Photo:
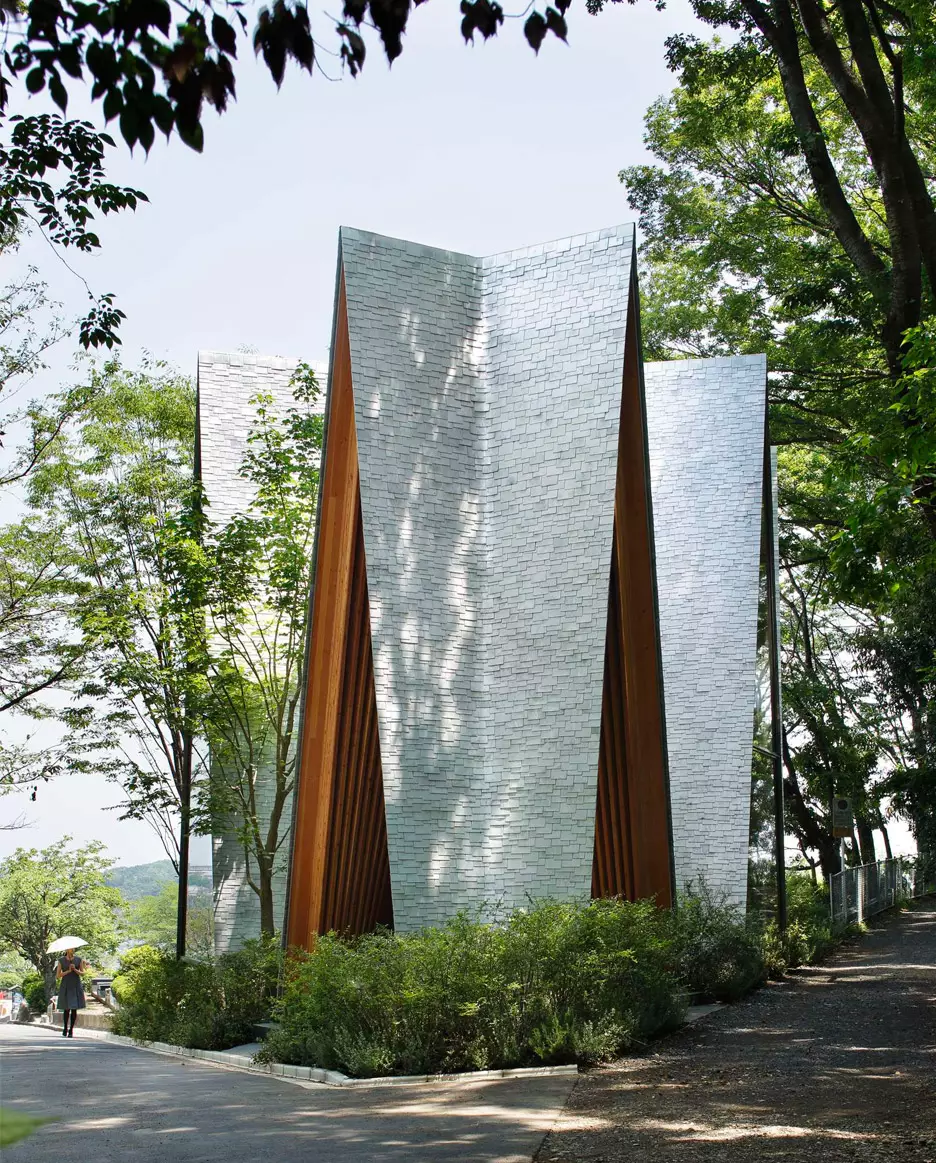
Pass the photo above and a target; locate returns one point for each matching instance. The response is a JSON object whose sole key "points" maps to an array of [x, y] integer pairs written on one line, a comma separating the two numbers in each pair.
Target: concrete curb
{"points": [[301, 1074], [229, 1060], [697, 1013]]}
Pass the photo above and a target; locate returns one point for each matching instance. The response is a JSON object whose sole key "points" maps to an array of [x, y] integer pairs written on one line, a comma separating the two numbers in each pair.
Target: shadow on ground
{"points": [[114, 1103], [836, 1064]]}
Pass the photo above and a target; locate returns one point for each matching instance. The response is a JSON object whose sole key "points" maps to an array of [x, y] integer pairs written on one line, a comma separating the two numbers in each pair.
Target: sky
{"points": [[475, 149]]}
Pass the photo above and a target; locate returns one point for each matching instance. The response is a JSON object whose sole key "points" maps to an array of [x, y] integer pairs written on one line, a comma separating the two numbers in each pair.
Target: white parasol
{"points": [[64, 943]]}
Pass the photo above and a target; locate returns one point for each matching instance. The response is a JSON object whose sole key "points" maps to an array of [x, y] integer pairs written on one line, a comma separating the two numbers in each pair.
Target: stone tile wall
{"points": [[705, 421], [487, 396], [227, 382]]}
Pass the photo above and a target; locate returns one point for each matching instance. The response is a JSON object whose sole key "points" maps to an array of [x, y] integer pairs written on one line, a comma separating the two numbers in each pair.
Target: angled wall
{"points": [[706, 431], [492, 411], [227, 382]]}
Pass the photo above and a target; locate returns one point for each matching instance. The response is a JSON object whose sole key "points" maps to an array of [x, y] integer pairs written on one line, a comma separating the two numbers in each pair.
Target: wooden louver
{"points": [[632, 833], [340, 876]]}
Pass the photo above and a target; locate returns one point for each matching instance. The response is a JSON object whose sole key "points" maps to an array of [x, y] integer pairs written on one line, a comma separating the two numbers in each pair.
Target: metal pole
{"points": [[773, 645]]}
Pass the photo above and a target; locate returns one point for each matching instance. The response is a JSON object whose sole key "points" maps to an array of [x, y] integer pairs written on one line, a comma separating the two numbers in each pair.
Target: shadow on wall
{"points": [[421, 468]]}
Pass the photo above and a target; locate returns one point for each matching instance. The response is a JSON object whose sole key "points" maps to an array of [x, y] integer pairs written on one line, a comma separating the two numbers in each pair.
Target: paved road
{"points": [[837, 1065], [121, 1105]]}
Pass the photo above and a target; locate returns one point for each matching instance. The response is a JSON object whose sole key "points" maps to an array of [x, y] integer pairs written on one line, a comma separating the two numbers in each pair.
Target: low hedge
{"points": [[554, 983], [34, 992], [208, 1004]]}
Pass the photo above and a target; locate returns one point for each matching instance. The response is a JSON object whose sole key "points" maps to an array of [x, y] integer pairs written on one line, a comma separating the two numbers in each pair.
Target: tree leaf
{"points": [[129, 125], [146, 134], [223, 35], [57, 91], [192, 134], [556, 23], [113, 103], [535, 30]]}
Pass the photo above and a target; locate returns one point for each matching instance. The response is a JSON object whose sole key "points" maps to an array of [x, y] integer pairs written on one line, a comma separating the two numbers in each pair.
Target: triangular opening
{"points": [[340, 873], [633, 850]]}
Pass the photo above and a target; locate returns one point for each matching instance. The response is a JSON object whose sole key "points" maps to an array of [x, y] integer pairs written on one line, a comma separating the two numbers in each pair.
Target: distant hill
{"points": [[139, 880]]}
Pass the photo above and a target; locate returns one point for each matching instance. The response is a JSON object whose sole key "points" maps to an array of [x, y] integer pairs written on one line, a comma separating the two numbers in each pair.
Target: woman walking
{"points": [[71, 996]]}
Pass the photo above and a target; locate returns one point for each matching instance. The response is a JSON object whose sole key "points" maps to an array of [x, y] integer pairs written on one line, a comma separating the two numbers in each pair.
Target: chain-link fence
{"points": [[861, 892]]}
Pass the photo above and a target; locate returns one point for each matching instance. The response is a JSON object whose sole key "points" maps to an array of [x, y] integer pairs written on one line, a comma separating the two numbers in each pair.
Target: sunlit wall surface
{"points": [[705, 422]]}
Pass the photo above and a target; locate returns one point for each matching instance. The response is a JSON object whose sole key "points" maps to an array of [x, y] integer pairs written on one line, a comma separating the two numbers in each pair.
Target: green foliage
{"points": [[809, 936], [152, 919], [34, 991], [15, 1126], [45, 894], [138, 961], [140, 880], [209, 1004], [52, 174], [116, 493], [155, 71], [555, 983], [743, 252], [718, 949], [257, 571]]}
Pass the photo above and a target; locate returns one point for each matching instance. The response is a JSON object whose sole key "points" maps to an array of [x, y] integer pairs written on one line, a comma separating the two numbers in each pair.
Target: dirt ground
{"points": [[836, 1064]]}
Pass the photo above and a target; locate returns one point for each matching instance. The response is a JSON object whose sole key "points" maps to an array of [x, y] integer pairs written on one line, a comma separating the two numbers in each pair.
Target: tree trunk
{"points": [[267, 917], [805, 823], [882, 828], [866, 841], [48, 977], [185, 828]]}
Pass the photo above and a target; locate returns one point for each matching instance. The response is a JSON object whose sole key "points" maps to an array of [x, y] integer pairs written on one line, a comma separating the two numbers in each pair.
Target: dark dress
{"points": [[71, 991]]}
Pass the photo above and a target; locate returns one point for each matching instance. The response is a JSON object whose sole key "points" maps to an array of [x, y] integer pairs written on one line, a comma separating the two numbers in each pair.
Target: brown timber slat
{"points": [[340, 860], [632, 838], [345, 857], [337, 879]]}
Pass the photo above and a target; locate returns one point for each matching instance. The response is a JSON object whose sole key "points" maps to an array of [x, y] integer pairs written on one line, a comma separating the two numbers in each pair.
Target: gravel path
{"points": [[834, 1065]]}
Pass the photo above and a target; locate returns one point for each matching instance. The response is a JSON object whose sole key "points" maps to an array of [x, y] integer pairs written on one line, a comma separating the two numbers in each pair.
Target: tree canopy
{"points": [[47, 893], [772, 222], [259, 577]]}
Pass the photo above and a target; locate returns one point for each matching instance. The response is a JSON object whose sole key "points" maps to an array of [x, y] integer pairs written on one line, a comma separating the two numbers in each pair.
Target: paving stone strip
{"points": [[835, 1065]]}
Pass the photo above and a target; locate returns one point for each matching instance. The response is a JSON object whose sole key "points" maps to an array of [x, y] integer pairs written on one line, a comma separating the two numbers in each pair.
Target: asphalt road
{"points": [[114, 1104]]}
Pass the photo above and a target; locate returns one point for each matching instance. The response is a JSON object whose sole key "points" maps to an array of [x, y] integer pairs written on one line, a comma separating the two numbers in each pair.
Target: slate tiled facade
{"points": [[487, 402], [227, 382], [705, 422]]}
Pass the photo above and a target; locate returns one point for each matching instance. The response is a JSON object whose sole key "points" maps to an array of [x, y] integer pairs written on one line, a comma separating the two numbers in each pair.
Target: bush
{"points": [[555, 983], [209, 1004], [719, 950], [809, 935], [551, 984], [140, 957], [34, 991]]}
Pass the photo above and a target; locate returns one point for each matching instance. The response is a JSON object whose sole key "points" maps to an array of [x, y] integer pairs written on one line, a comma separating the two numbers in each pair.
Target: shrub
{"points": [[210, 1004], [34, 991], [719, 950], [555, 983], [138, 958]]}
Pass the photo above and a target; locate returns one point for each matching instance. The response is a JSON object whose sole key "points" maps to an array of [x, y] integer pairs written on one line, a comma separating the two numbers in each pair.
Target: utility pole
{"points": [[773, 646]]}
